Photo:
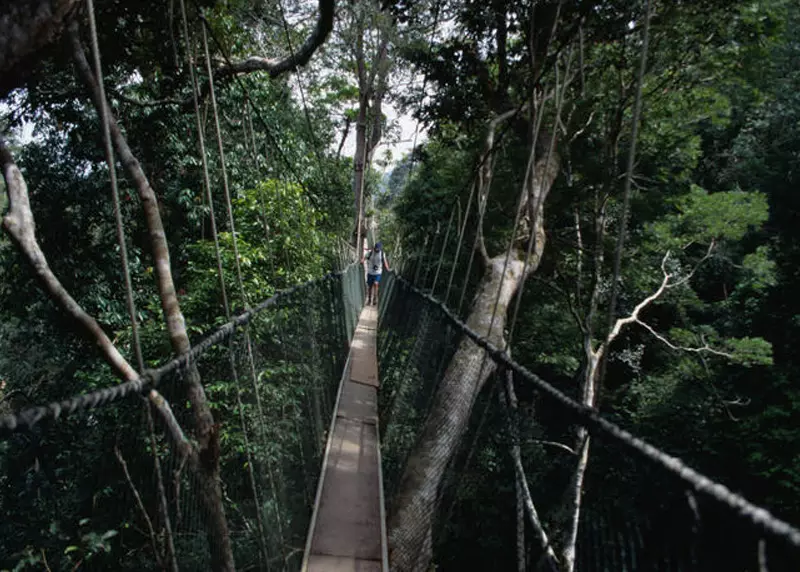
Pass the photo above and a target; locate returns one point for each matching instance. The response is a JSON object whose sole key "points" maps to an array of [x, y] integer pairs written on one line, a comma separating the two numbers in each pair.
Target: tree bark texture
{"points": [[26, 27], [371, 88], [205, 430], [411, 522]]}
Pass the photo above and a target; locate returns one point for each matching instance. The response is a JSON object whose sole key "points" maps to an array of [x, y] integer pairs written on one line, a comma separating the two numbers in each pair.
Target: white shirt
{"points": [[375, 263]]}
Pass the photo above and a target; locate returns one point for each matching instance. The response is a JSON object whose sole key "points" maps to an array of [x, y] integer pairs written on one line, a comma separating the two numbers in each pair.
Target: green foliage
{"points": [[704, 218]]}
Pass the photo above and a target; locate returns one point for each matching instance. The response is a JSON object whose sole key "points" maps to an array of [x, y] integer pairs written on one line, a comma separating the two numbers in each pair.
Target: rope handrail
{"points": [[149, 379], [596, 424]]}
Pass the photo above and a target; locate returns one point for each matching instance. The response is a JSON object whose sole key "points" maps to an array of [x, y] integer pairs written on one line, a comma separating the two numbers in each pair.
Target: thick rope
{"points": [[597, 425], [112, 173], [150, 379], [129, 297]]}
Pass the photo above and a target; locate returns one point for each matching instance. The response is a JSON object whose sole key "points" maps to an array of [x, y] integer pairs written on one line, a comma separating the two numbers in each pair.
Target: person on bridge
{"points": [[376, 262]]}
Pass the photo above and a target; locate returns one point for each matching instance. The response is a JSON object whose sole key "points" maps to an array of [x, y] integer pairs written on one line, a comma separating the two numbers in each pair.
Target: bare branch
{"points": [[581, 131], [179, 440], [696, 266], [634, 316], [485, 174], [556, 444], [704, 348], [297, 59], [663, 287], [21, 227], [142, 102], [151, 531], [508, 399]]}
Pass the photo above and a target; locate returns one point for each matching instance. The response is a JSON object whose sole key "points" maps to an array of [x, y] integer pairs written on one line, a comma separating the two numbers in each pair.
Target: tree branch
{"points": [[634, 316], [150, 529], [508, 399], [21, 227], [297, 59], [689, 276], [176, 435], [556, 444], [664, 286], [485, 174], [669, 344]]}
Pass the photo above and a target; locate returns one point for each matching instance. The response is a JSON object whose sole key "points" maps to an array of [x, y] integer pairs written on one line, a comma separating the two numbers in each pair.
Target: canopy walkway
{"points": [[307, 451], [301, 449]]}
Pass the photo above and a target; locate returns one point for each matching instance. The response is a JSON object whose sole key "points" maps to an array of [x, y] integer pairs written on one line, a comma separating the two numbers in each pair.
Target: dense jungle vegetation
{"points": [[689, 340]]}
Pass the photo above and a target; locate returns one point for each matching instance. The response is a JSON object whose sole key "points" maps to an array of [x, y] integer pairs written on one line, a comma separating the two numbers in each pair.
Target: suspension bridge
{"points": [[312, 405], [304, 484]]}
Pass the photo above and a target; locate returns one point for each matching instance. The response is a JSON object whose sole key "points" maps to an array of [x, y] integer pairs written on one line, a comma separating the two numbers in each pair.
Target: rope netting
{"points": [[99, 464], [641, 508]]}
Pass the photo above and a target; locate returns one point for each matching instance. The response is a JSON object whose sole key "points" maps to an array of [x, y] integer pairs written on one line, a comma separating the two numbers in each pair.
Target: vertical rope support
{"points": [[250, 354], [482, 200], [203, 158], [112, 173], [460, 241], [626, 198], [259, 520], [129, 298], [421, 260], [444, 247], [223, 168]]}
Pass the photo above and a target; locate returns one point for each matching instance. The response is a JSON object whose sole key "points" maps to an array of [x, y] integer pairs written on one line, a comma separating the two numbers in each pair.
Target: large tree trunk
{"points": [[371, 87], [206, 432], [411, 522], [412, 519], [359, 166]]}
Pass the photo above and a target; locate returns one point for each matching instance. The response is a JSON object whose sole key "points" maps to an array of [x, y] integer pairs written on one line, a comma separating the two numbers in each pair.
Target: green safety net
{"points": [[83, 491], [636, 516]]}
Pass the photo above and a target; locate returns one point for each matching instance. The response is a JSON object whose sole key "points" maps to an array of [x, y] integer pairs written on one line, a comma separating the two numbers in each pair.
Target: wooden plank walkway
{"points": [[348, 528]]}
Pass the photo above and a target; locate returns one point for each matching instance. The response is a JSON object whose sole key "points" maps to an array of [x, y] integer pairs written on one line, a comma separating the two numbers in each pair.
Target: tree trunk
{"points": [[567, 519], [206, 432], [359, 166], [411, 524]]}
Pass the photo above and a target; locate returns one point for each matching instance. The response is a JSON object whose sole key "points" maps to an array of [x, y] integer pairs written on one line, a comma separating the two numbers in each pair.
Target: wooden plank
{"points": [[322, 563], [369, 318], [348, 530], [365, 359], [348, 522], [359, 402]]}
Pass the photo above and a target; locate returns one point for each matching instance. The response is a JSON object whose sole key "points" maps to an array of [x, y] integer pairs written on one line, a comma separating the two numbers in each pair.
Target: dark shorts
{"points": [[373, 279]]}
